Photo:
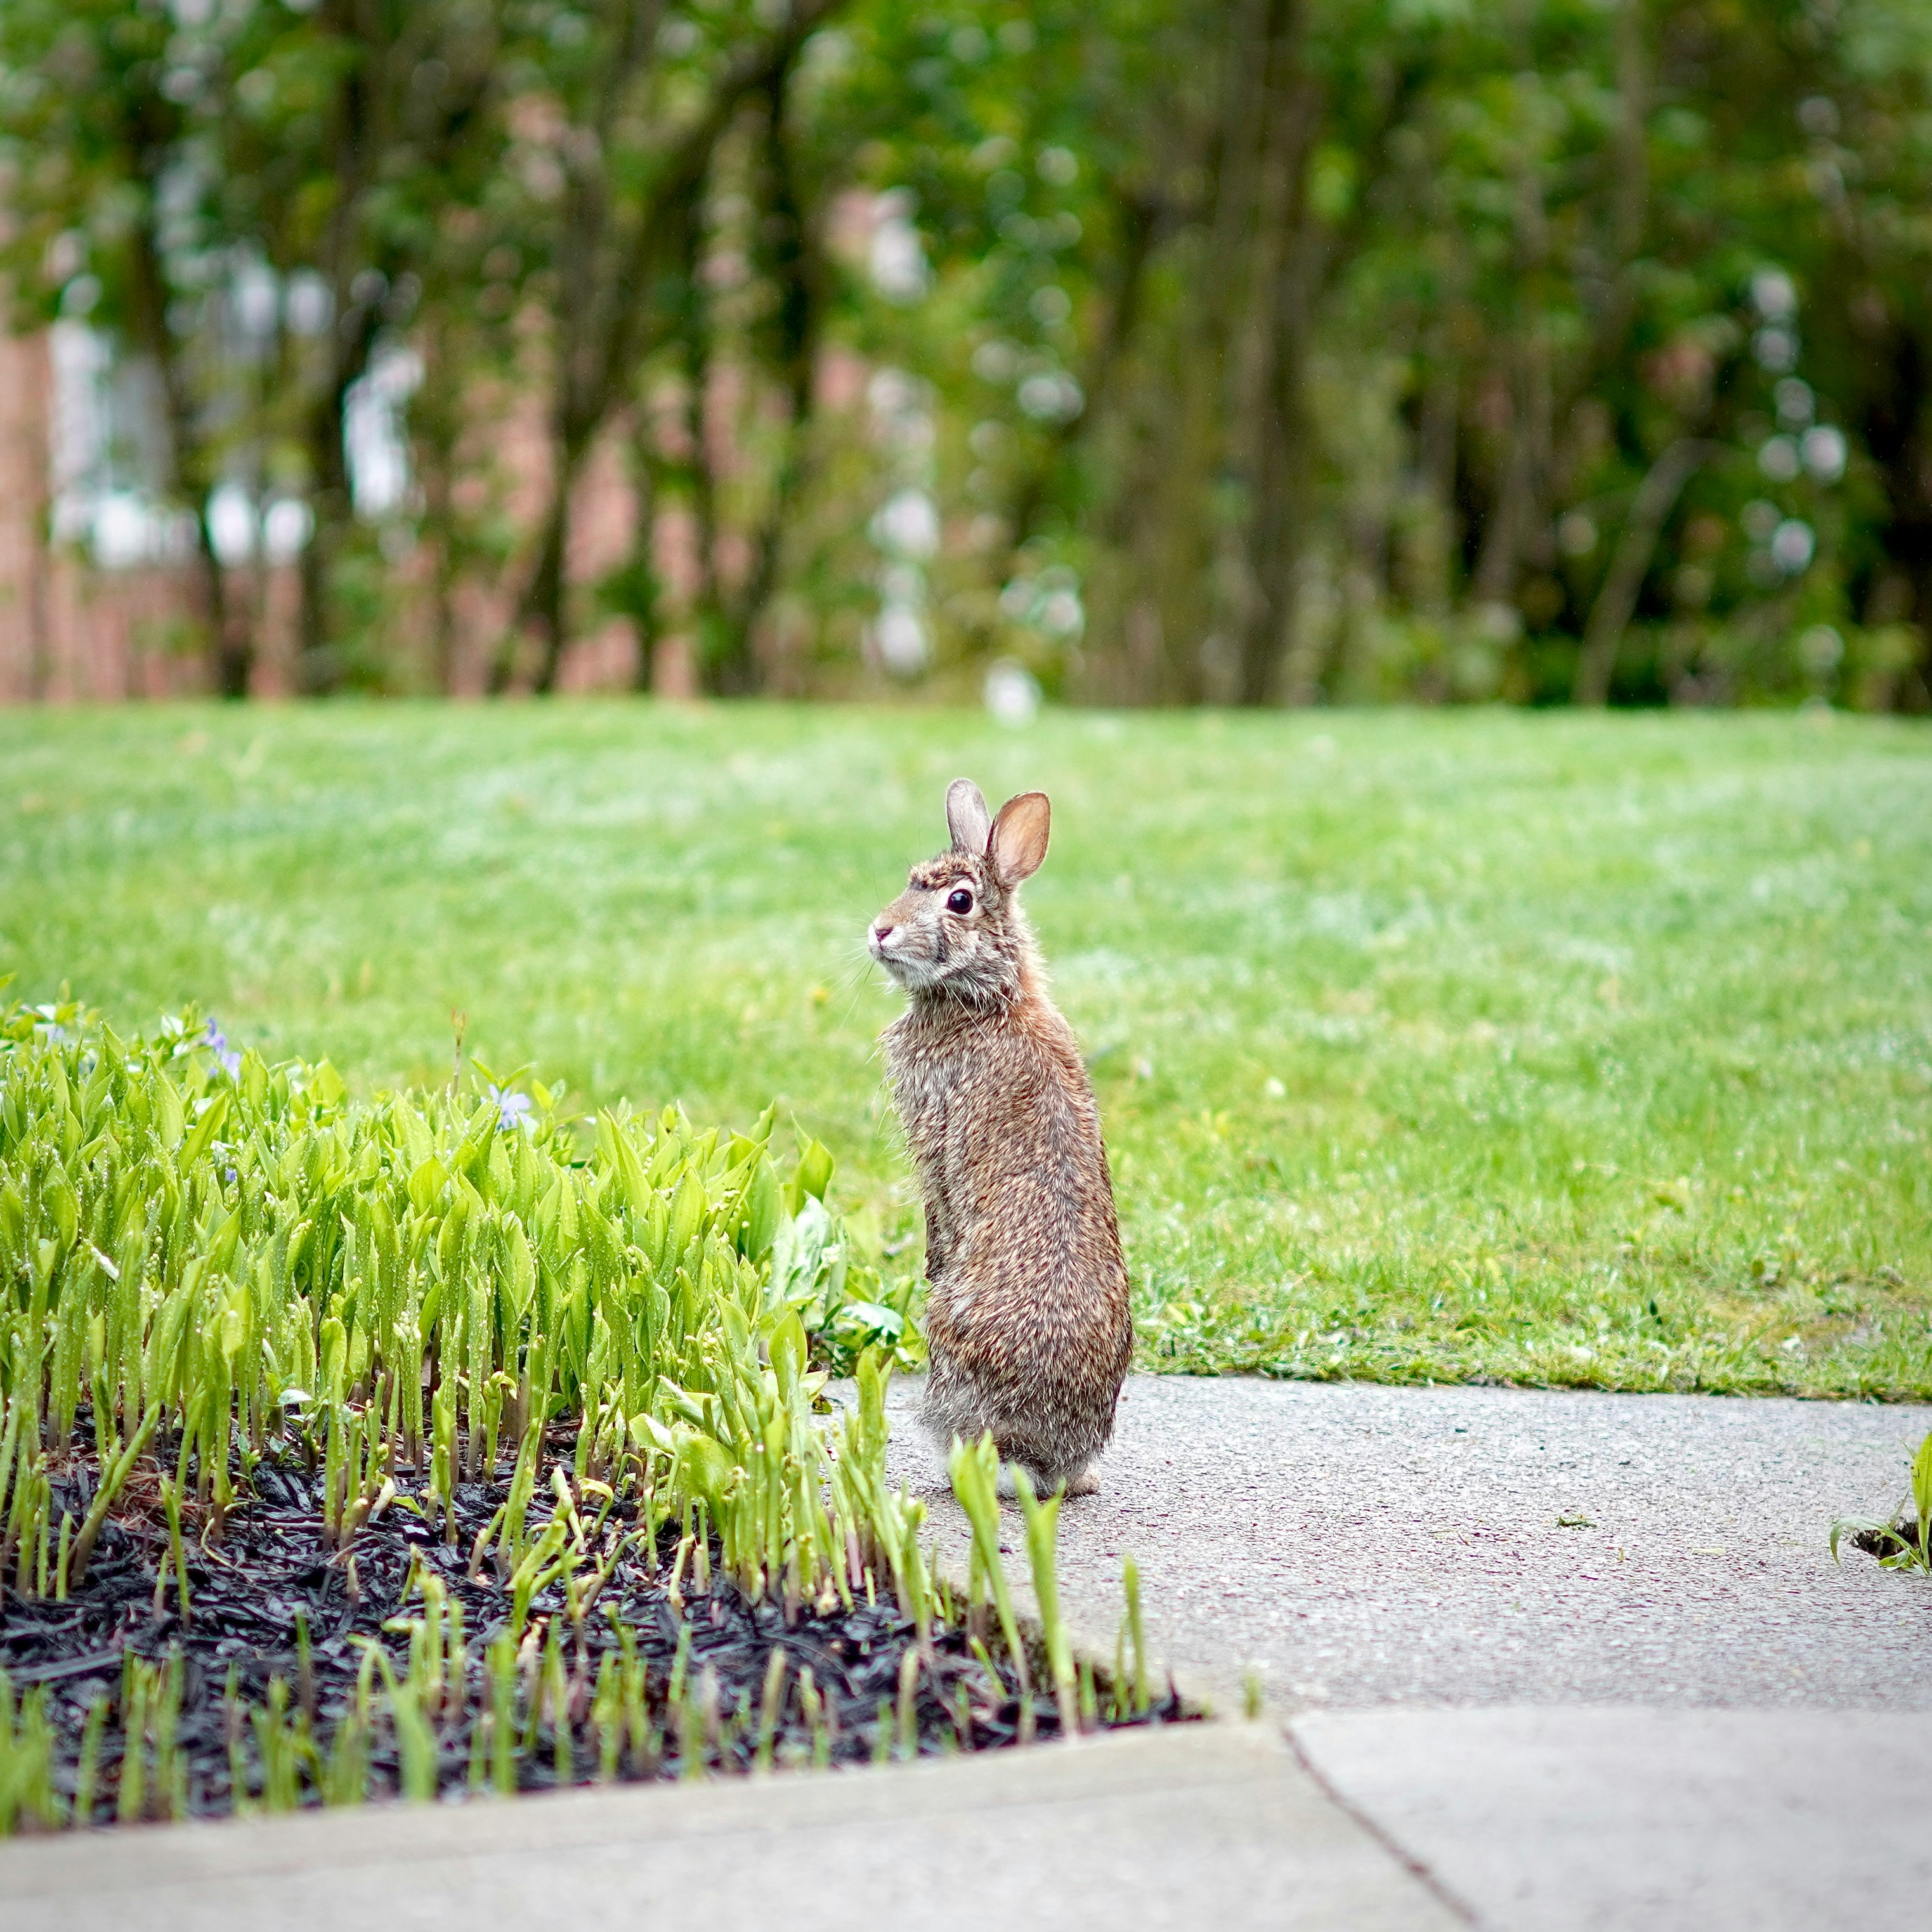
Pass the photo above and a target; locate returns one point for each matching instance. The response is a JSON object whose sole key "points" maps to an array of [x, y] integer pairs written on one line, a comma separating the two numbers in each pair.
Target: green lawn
{"points": [[1545, 1047]]}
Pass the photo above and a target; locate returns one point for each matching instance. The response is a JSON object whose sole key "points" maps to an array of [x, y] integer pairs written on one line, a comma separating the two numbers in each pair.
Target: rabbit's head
{"points": [[957, 931]]}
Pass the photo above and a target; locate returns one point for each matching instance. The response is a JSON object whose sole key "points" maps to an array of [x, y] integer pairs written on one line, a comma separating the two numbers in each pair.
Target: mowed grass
{"points": [[1548, 1048]]}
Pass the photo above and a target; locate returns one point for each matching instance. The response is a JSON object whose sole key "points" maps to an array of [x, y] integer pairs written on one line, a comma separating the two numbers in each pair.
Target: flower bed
{"points": [[435, 1443]]}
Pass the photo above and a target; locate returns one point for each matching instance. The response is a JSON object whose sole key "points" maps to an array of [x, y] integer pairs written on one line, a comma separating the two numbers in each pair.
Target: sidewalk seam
{"points": [[1415, 1867]]}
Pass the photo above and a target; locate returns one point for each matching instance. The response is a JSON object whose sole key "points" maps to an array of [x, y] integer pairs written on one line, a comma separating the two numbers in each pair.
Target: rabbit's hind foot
{"points": [[1082, 1482]]}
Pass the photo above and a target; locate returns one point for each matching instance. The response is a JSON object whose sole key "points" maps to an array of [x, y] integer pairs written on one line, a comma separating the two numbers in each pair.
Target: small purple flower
{"points": [[217, 1040], [514, 1108]]}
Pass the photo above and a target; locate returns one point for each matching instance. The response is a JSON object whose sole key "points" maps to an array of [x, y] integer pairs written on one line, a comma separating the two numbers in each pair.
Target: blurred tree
{"points": [[635, 103], [1263, 351], [96, 114], [348, 137]]}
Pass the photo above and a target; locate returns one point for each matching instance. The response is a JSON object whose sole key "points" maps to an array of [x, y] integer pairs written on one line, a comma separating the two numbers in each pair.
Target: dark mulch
{"points": [[1904, 1528], [272, 1567]]}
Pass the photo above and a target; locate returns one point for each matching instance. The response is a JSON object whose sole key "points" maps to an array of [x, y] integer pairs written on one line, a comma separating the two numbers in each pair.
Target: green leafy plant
{"points": [[820, 1267], [205, 1261], [211, 1268], [223, 1256], [1906, 1542], [975, 1469], [26, 1761], [1042, 1534]]}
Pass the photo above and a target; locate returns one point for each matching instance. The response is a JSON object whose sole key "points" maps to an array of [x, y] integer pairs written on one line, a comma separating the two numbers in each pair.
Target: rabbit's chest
{"points": [[935, 1099], [921, 1092]]}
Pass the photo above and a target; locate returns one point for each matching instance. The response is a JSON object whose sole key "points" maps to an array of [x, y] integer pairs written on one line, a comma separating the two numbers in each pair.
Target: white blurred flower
{"points": [[1794, 399], [994, 361], [1060, 614], [1791, 544], [1012, 695], [1051, 304], [1779, 459], [902, 420], [257, 300], [897, 257], [1774, 295], [891, 392], [1818, 114], [1052, 396], [124, 532], [308, 305], [908, 524], [1575, 534], [987, 440], [1776, 348], [1824, 451], [904, 646], [372, 432]]}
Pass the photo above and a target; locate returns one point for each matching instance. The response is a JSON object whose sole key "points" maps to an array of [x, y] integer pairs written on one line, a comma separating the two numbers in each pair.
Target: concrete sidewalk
{"points": [[1571, 1819], [1200, 1824], [1357, 1545], [1583, 1820]]}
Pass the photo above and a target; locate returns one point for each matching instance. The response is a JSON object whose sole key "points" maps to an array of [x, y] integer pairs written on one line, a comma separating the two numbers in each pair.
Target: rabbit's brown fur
{"points": [[1027, 1324]]}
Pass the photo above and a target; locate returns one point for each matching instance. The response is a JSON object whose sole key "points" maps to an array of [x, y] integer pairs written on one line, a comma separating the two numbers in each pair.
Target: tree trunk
{"points": [[1262, 230], [319, 661], [1896, 424], [231, 639], [1138, 219], [544, 603], [233, 632], [606, 328], [643, 566], [796, 269], [1523, 492], [1616, 601]]}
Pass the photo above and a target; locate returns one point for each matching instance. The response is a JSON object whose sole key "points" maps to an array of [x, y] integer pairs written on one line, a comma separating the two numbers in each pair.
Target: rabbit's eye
{"points": [[959, 900]]}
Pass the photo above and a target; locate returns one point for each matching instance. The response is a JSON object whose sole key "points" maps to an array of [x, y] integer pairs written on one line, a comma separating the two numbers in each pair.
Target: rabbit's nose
{"points": [[883, 932]]}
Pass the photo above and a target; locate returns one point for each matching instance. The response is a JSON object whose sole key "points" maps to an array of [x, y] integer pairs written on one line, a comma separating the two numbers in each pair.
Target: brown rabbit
{"points": [[1027, 1324]]}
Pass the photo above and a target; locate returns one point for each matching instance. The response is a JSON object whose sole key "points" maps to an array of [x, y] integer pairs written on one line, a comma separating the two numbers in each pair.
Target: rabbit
{"points": [[1028, 1332]]}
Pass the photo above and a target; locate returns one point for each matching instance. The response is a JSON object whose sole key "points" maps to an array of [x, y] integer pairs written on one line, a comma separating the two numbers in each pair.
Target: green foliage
{"points": [[1263, 352], [974, 1468], [847, 1305], [1906, 1542], [194, 1241], [27, 1790], [1042, 1537]]}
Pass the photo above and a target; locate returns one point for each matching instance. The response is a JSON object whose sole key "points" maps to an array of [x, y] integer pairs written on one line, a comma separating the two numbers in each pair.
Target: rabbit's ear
{"points": [[967, 818], [1019, 837]]}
